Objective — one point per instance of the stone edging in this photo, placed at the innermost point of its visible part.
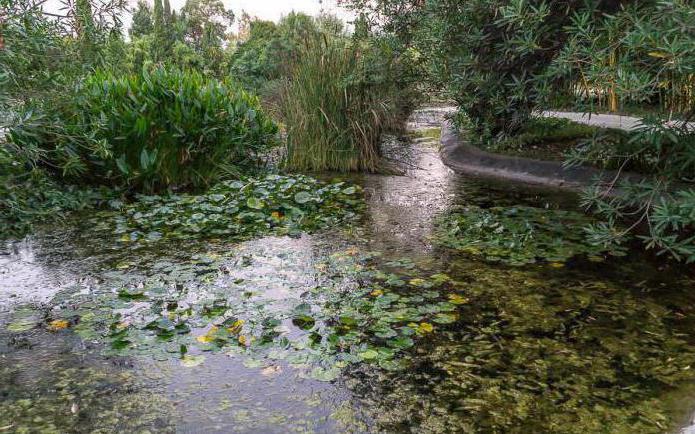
(462, 157)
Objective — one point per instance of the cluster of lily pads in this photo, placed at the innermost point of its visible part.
(358, 313)
(240, 209)
(520, 235)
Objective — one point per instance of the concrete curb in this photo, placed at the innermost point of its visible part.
(464, 158)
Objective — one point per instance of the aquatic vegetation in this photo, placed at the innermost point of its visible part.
(240, 209)
(552, 352)
(339, 99)
(75, 394)
(519, 235)
(347, 312)
(493, 349)
(31, 196)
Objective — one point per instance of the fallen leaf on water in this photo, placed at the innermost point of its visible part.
(58, 324)
(207, 337)
(457, 299)
(271, 370)
(425, 327)
(236, 327)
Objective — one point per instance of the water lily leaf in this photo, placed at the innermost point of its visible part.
(22, 324)
(369, 355)
(254, 203)
(190, 361)
(303, 197)
(401, 342)
(304, 322)
(322, 374)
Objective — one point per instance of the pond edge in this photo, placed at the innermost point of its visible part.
(462, 157)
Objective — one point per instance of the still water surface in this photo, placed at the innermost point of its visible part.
(589, 347)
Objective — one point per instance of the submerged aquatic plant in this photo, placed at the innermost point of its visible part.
(519, 235)
(554, 351)
(239, 210)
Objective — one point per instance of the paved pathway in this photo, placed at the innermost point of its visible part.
(433, 116)
(599, 120)
(607, 121)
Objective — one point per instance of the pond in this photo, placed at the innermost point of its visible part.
(368, 325)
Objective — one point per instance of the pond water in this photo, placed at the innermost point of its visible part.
(367, 327)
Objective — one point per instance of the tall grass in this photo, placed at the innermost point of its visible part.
(335, 107)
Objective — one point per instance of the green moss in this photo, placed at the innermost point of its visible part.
(427, 133)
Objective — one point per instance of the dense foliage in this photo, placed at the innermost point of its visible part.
(662, 206)
(502, 60)
(267, 51)
(29, 195)
(150, 130)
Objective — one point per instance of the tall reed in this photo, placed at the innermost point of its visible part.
(335, 107)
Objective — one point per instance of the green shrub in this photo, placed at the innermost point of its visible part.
(660, 208)
(336, 105)
(28, 195)
(150, 130)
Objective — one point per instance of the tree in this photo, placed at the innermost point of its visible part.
(492, 56)
(142, 20)
(85, 28)
(207, 23)
(269, 48)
